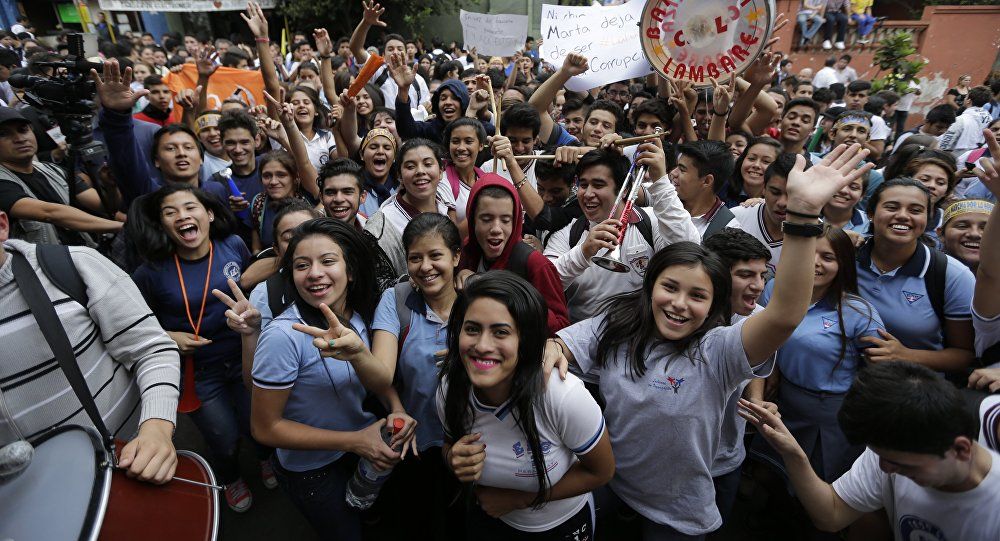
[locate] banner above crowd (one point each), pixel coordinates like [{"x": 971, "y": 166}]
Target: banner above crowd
[
  {"x": 181, "y": 5},
  {"x": 607, "y": 36},
  {"x": 494, "y": 35}
]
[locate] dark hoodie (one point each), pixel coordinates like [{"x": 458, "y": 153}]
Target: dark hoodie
[
  {"x": 540, "y": 271},
  {"x": 433, "y": 129}
]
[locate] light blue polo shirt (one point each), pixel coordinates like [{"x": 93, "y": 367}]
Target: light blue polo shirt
[
  {"x": 901, "y": 299},
  {"x": 416, "y": 371},
  {"x": 325, "y": 393},
  {"x": 810, "y": 358}
]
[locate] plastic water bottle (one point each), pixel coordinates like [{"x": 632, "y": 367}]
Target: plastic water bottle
[
  {"x": 363, "y": 488},
  {"x": 227, "y": 174}
]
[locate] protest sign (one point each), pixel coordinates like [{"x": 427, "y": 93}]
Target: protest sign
[
  {"x": 181, "y": 5},
  {"x": 246, "y": 85},
  {"x": 494, "y": 35},
  {"x": 607, "y": 36}
]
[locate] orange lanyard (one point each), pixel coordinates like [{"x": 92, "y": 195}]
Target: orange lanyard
[{"x": 204, "y": 295}]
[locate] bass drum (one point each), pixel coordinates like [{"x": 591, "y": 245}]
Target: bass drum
[
  {"x": 172, "y": 511},
  {"x": 63, "y": 493},
  {"x": 697, "y": 41}
]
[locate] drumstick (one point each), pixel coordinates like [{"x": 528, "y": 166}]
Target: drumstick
[
  {"x": 537, "y": 157},
  {"x": 496, "y": 124},
  {"x": 638, "y": 139},
  {"x": 183, "y": 480}
]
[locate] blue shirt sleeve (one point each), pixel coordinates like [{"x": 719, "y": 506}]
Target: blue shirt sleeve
[
  {"x": 765, "y": 296},
  {"x": 564, "y": 137},
  {"x": 865, "y": 319},
  {"x": 959, "y": 286},
  {"x": 386, "y": 318},
  {"x": 276, "y": 361}
]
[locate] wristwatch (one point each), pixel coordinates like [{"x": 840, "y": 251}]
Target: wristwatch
[{"x": 802, "y": 230}]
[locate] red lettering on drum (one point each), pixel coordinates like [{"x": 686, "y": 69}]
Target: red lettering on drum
[
  {"x": 697, "y": 74},
  {"x": 668, "y": 23},
  {"x": 720, "y": 27},
  {"x": 657, "y": 14},
  {"x": 666, "y": 67},
  {"x": 739, "y": 52},
  {"x": 653, "y": 32},
  {"x": 727, "y": 64},
  {"x": 713, "y": 70},
  {"x": 734, "y": 12},
  {"x": 743, "y": 3},
  {"x": 748, "y": 39},
  {"x": 680, "y": 71},
  {"x": 677, "y": 39}
]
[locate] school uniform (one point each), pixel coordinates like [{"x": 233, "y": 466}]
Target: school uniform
[
  {"x": 814, "y": 379},
  {"x": 665, "y": 425},
  {"x": 320, "y": 147},
  {"x": 569, "y": 424},
  {"x": 987, "y": 333},
  {"x": 858, "y": 223},
  {"x": 751, "y": 220},
  {"x": 901, "y": 299}
]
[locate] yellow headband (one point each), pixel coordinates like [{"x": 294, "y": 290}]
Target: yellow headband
[
  {"x": 379, "y": 132},
  {"x": 207, "y": 120},
  {"x": 967, "y": 206}
]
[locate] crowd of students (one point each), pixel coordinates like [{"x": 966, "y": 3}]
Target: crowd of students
[{"x": 327, "y": 265}]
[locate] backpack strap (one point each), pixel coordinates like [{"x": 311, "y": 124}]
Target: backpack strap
[
  {"x": 257, "y": 212},
  {"x": 576, "y": 231},
  {"x": 276, "y": 294},
  {"x": 383, "y": 77},
  {"x": 518, "y": 260},
  {"x": 401, "y": 291},
  {"x": 57, "y": 264},
  {"x": 934, "y": 281},
  {"x": 719, "y": 222}
]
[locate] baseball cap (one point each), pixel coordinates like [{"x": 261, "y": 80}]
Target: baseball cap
[{"x": 9, "y": 115}]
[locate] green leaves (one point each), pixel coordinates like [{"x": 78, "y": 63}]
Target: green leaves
[{"x": 892, "y": 56}]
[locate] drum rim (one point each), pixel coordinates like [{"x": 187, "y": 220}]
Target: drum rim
[
  {"x": 101, "y": 492},
  {"x": 211, "y": 480},
  {"x": 772, "y": 8}
]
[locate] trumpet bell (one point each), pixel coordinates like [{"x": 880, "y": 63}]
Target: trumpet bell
[{"x": 611, "y": 260}]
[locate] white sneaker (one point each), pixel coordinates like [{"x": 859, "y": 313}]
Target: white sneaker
[
  {"x": 827, "y": 45},
  {"x": 864, "y": 41},
  {"x": 839, "y": 45}
]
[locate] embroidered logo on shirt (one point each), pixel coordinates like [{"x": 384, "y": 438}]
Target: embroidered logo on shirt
[
  {"x": 232, "y": 270},
  {"x": 827, "y": 323},
  {"x": 675, "y": 383},
  {"x": 518, "y": 450},
  {"x": 913, "y": 527},
  {"x": 911, "y": 297},
  {"x": 639, "y": 264}
]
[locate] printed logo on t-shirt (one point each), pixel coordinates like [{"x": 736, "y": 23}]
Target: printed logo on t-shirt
[
  {"x": 827, "y": 323},
  {"x": 527, "y": 467},
  {"x": 913, "y": 528},
  {"x": 232, "y": 270},
  {"x": 912, "y": 297},
  {"x": 669, "y": 383},
  {"x": 639, "y": 263}
]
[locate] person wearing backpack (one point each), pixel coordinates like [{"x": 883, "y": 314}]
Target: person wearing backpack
[
  {"x": 922, "y": 295},
  {"x": 600, "y": 175}
]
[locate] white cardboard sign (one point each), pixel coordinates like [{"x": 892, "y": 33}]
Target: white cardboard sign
[{"x": 494, "y": 34}]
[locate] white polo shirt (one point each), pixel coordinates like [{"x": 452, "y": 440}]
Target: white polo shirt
[{"x": 569, "y": 423}]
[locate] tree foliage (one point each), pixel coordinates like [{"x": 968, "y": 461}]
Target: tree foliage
[{"x": 893, "y": 56}]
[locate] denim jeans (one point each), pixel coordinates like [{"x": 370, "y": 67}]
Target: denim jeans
[
  {"x": 808, "y": 31},
  {"x": 319, "y": 495},
  {"x": 840, "y": 19},
  {"x": 865, "y": 23},
  {"x": 224, "y": 414}
]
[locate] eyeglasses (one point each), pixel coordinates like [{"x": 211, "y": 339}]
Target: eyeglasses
[{"x": 618, "y": 93}]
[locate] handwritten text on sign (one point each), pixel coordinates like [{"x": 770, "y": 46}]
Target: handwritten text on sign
[
  {"x": 607, "y": 36},
  {"x": 494, "y": 35},
  {"x": 180, "y": 5}
]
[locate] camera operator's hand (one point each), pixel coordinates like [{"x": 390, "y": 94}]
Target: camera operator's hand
[{"x": 113, "y": 88}]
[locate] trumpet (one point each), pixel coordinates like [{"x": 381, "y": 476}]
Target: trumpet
[{"x": 612, "y": 257}]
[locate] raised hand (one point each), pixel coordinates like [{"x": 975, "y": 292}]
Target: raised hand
[
  {"x": 337, "y": 341},
  {"x": 241, "y": 316},
  {"x": 762, "y": 70},
  {"x": 575, "y": 64},
  {"x": 988, "y": 169},
  {"x": 722, "y": 98},
  {"x": 603, "y": 236},
  {"x": 255, "y": 20},
  {"x": 478, "y": 100},
  {"x": 114, "y": 87},
  {"x": 285, "y": 113},
  {"x": 400, "y": 72},
  {"x": 372, "y": 13},
  {"x": 324, "y": 45},
  {"x": 809, "y": 190},
  {"x": 652, "y": 156},
  {"x": 769, "y": 426},
  {"x": 189, "y": 98},
  {"x": 206, "y": 62},
  {"x": 467, "y": 458}
]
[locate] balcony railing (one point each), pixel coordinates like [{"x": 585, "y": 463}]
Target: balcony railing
[{"x": 882, "y": 28}]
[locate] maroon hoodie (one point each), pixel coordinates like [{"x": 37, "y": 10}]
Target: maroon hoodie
[{"x": 540, "y": 271}]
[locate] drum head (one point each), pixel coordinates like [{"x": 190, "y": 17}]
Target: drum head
[
  {"x": 695, "y": 41},
  {"x": 62, "y": 494}
]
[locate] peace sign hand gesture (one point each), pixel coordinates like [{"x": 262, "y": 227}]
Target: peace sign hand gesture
[
  {"x": 241, "y": 317},
  {"x": 338, "y": 341},
  {"x": 988, "y": 169},
  {"x": 722, "y": 98}
]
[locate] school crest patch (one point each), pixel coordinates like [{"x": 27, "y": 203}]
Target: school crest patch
[
  {"x": 827, "y": 323},
  {"x": 911, "y": 297},
  {"x": 232, "y": 270}
]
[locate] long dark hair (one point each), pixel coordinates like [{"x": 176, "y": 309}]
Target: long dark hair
[
  {"x": 144, "y": 235},
  {"x": 844, "y": 285},
  {"x": 319, "y": 119},
  {"x": 529, "y": 312},
  {"x": 629, "y": 318},
  {"x": 362, "y": 291}
]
